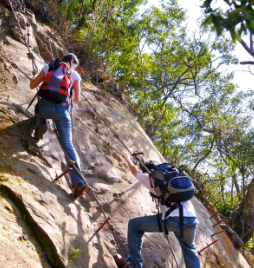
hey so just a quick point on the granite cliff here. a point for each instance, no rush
(40, 223)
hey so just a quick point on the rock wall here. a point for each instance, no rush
(40, 224)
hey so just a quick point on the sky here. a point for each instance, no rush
(242, 77)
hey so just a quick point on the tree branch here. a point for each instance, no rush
(195, 116)
(204, 157)
(246, 47)
(247, 62)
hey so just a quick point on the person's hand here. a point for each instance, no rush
(127, 158)
(35, 73)
(131, 165)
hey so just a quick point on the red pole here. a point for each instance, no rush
(213, 206)
(208, 246)
(103, 224)
(223, 231)
(134, 263)
(215, 213)
(61, 175)
(218, 223)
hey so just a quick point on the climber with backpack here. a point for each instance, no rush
(173, 189)
(56, 81)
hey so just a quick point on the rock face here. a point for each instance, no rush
(40, 224)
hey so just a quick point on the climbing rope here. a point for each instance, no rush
(71, 162)
(14, 65)
(108, 143)
(27, 41)
(97, 114)
(47, 51)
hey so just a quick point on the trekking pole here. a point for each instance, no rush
(33, 99)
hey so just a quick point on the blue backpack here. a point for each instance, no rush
(172, 186)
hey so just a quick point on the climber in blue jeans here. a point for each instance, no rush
(138, 226)
(56, 82)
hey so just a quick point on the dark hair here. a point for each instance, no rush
(69, 57)
(151, 164)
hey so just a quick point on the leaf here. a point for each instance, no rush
(208, 20)
(250, 25)
(207, 3)
(250, 15)
(234, 35)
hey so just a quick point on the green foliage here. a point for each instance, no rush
(237, 19)
(250, 245)
(74, 255)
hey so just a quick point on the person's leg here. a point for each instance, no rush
(187, 242)
(41, 124)
(136, 228)
(62, 120)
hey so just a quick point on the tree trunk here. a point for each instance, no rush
(237, 216)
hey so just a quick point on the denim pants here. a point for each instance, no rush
(62, 120)
(138, 226)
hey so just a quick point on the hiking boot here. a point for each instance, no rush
(40, 130)
(78, 189)
(119, 261)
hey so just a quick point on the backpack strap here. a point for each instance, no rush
(54, 64)
(159, 220)
(175, 206)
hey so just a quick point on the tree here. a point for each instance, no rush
(238, 19)
(229, 156)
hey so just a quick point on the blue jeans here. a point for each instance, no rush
(138, 226)
(62, 119)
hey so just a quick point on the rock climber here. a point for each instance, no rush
(138, 226)
(55, 104)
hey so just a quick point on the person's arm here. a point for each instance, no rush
(76, 91)
(141, 177)
(131, 166)
(35, 82)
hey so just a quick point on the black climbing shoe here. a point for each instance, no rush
(78, 189)
(40, 130)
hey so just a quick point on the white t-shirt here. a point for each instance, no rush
(188, 209)
(74, 75)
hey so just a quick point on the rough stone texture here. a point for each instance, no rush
(40, 224)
